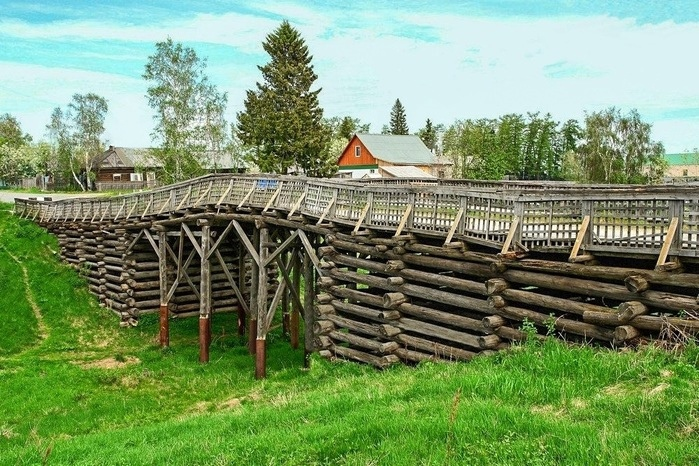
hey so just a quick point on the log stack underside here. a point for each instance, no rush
(404, 279)
(124, 273)
(384, 300)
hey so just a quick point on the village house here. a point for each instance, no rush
(389, 156)
(682, 167)
(124, 168)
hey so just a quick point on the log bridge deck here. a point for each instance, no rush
(394, 271)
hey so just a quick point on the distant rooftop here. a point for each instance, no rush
(397, 148)
(685, 158)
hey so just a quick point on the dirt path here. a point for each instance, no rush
(43, 330)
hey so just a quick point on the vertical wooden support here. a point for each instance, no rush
(254, 290)
(308, 316)
(295, 311)
(262, 325)
(164, 307)
(205, 293)
(241, 287)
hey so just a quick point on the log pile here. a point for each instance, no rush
(125, 276)
(385, 300)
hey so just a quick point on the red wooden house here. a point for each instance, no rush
(389, 155)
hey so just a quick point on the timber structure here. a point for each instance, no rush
(394, 270)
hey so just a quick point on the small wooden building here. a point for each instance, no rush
(368, 155)
(124, 168)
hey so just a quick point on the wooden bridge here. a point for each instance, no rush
(394, 270)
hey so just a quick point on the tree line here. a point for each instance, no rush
(282, 129)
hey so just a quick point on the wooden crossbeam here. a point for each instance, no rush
(121, 209)
(361, 218)
(579, 238)
(135, 204)
(510, 235)
(283, 247)
(274, 197)
(247, 196)
(669, 237)
(327, 209)
(133, 243)
(454, 226)
(246, 242)
(185, 198)
(297, 204)
(310, 252)
(206, 193)
(145, 212)
(151, 240)
(193, 239)
(231, 281)
(225, 193)
(404, 220)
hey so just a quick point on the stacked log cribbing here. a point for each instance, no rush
(386, 299)
(124, 273)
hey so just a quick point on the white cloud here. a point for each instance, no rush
(466, 67)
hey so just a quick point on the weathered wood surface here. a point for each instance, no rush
(407, 271)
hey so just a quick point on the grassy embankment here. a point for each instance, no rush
(77, 389)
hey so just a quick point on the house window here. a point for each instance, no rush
(116, 177)
(150, 176)
(685, 172)
(136, 176)
(357, 151)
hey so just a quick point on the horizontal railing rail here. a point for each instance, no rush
(531, 215)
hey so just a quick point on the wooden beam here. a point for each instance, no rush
(297, 204)
(579, 238)
(247, 196)
(246, 242)
(274, 197)
(310, 251)
(510, 235)
(669, 236)
(404, 220)
(361, 218)
(454, 226)
(327, 208)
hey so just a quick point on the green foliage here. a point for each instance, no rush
(189, 122)
(282, 121)
(11, 132)
(524, 148)
(398, 124)
(618, 149)
(428, 134)
(76, 139)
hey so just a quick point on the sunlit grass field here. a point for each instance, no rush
(76, 389)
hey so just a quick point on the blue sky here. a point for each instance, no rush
(445, 60)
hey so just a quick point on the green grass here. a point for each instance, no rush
(91, 393)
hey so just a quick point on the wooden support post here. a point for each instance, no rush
(254, 290)
(262, 323)
(164, 310)
(295, 309)
(205, 294)
(308, 314)
(241, 287)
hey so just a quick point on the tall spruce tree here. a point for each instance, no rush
(398, 125)
(428, 134)
(282, 122)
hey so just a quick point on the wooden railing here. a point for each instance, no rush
(648, 220)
